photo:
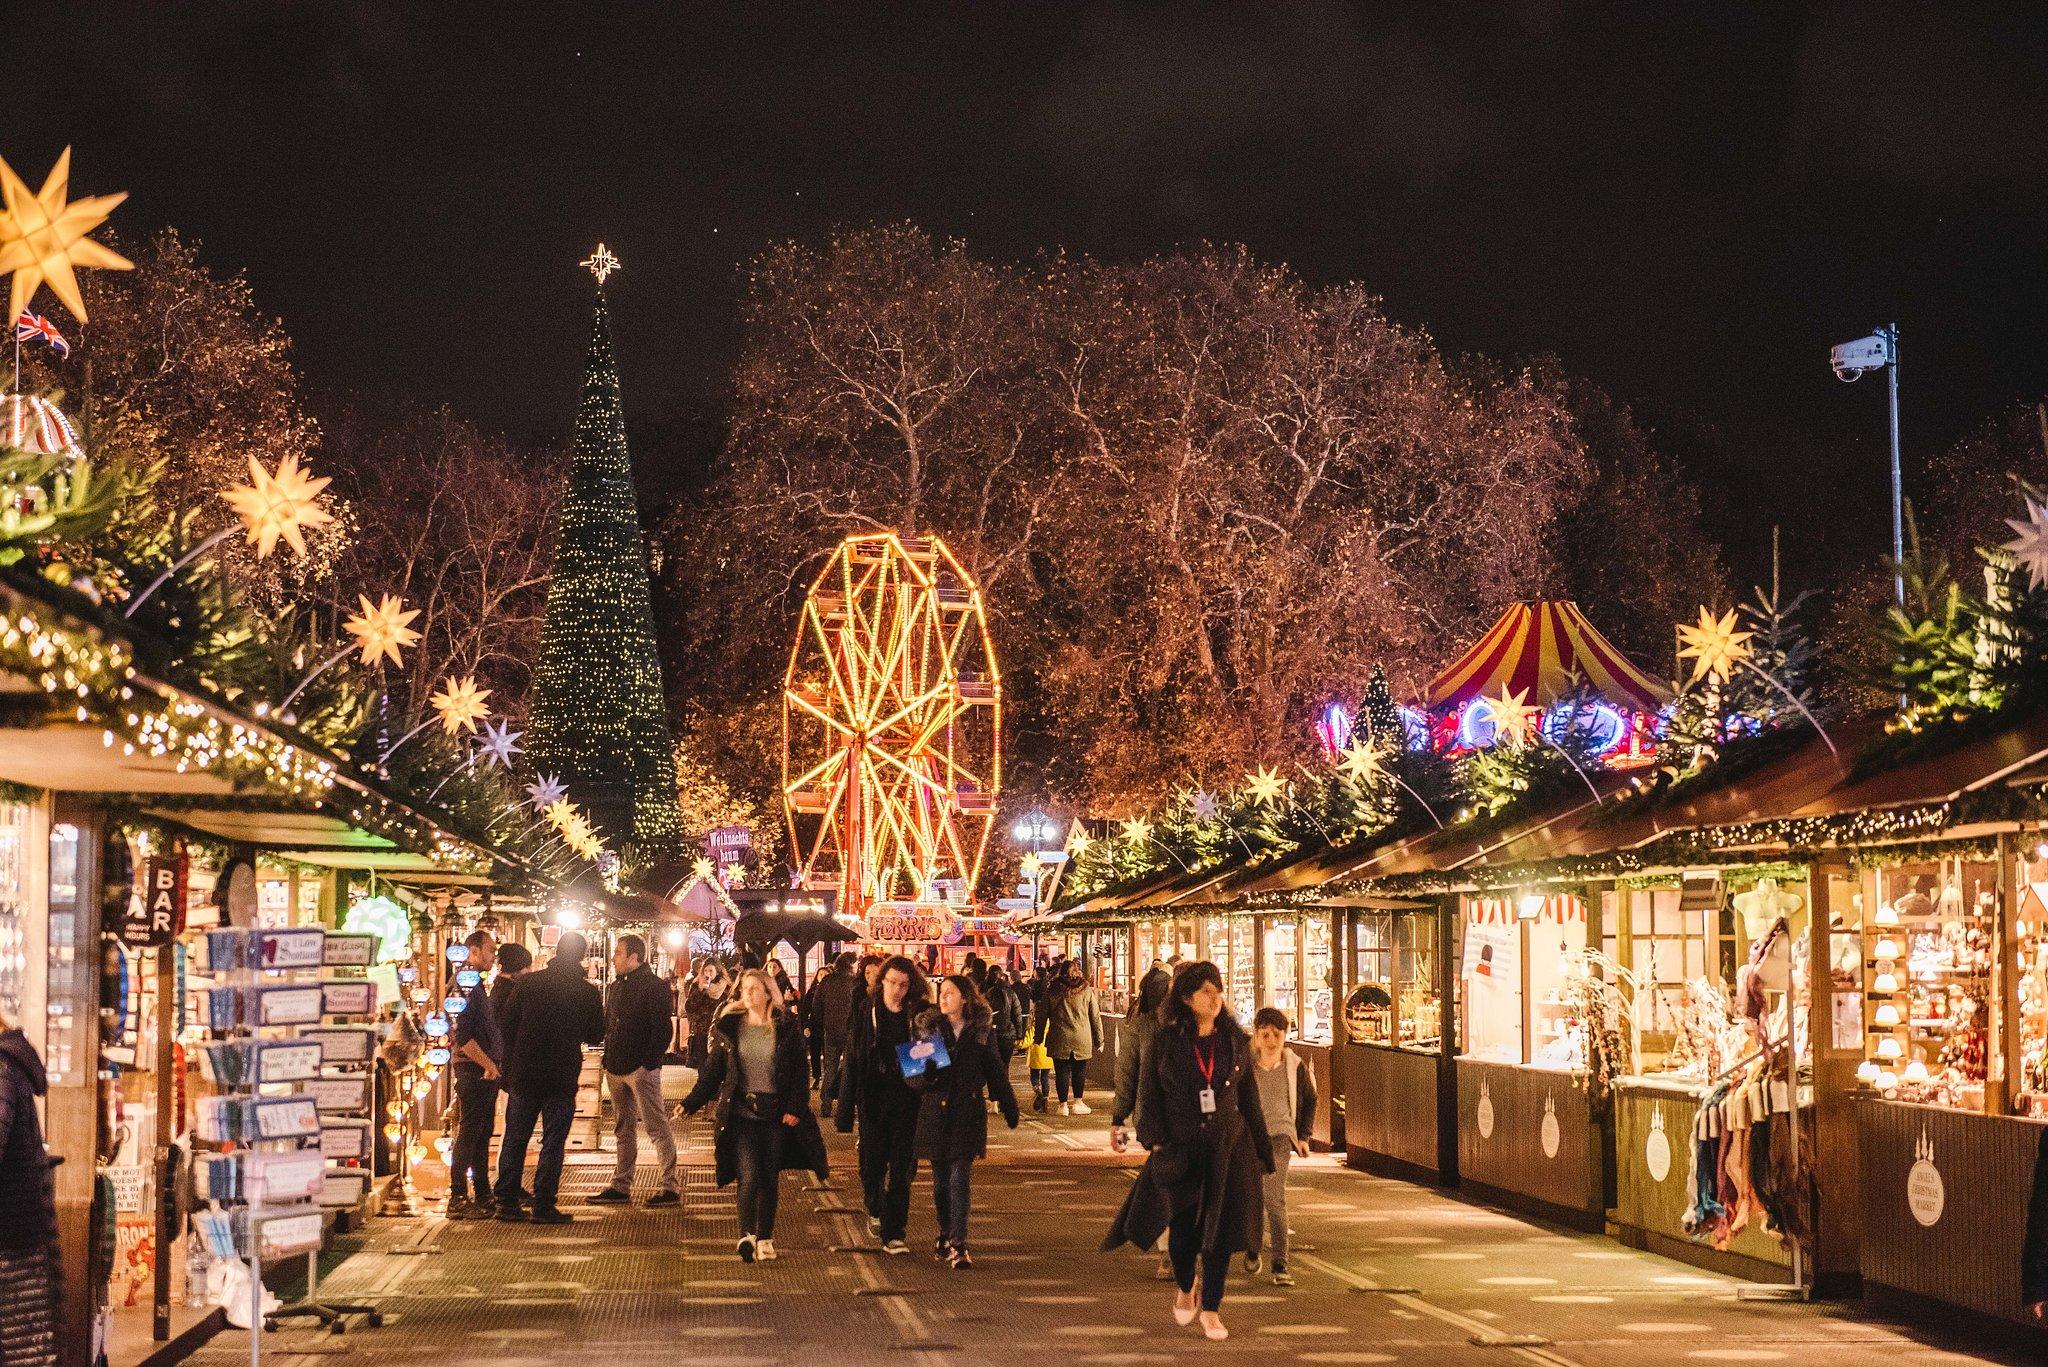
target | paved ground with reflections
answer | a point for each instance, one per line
(1388, 1273)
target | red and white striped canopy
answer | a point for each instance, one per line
(1547, 648)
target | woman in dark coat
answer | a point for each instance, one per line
(28, 1211)
(952, 1123)
(762, 1125)
(1199, 1116)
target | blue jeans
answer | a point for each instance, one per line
(555, 1113)
(951, 1194)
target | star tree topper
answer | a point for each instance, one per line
(43, 239)
(600, 263)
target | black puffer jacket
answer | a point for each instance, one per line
(831, 1004)
(952, 1120)
(28, 1206)
(803, 1146)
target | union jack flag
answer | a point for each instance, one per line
(32, 327)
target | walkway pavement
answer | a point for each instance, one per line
(1388, 1273)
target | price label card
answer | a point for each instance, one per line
(283, 1178)
(349, 951)
(287, 1118)
(341, 1093)
(344, 1186)
(348, 998)
(342, 1043)
(282, 1235)
(288, 1061)
(286, 949)
(345, 1140)
(288, 1005)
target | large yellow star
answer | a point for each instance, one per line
(1265, 786)
(703, 868)
(384, 630)
(1360, 763)
(461, 705)
(1512, 715)
(1714, 646)
(42, 239)
(1078, 843)
(279, 505)
(1137, 830)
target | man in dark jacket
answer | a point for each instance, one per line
(831, 1013)
(545, 1022)
(872, 1085)
(28, 1210)
(479, 1059)
(637, 1026)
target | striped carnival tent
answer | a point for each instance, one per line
(1548, 648)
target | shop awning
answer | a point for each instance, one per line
(1546, 649)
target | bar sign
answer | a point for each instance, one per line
(163, 905)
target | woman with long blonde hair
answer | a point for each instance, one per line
(757, 1073)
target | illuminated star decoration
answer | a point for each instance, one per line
(461, 705)
(1137, 830)
(500, 744)
(278, 506)
(1265, 785)
(1204, 805)
(1360, 763)
(2031, 546)
(1714, 646)
(1079, 843)
(43, 239)
(600, 263)
(546, 792)
(384, 630)
(704, 868)
(1512, 715)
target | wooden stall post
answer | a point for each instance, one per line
(1838, 1219)
(2002, 1049)
(1450, 1012)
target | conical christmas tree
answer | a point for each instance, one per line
(599, 718)
(1382, 717)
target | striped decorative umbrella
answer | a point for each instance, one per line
(1547, 648)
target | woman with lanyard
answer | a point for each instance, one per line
(1199, 1118)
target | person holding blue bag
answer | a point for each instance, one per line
(962, 1069)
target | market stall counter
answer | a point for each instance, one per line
(1945, 1203)
(1654, 1121)
(1527, 1135)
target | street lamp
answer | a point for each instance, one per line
(1850, 360)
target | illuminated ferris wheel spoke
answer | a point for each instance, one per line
(891, 722)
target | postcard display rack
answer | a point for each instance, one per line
(290, 1121)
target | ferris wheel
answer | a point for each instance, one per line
(891, 724)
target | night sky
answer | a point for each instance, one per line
(1684, 203)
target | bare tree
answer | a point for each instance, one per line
(458, 523)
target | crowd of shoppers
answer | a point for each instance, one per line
(911, 1068)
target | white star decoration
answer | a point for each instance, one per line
(2030, 548)
(500, 743)
(546, 793)
(1204, 805)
